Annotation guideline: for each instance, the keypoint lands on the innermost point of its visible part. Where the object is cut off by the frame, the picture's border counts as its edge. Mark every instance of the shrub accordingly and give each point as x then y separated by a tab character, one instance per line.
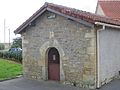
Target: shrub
1	54
17	56
2	46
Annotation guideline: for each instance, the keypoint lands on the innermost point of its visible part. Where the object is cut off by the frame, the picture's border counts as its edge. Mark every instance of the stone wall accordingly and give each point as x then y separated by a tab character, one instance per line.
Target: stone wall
75	42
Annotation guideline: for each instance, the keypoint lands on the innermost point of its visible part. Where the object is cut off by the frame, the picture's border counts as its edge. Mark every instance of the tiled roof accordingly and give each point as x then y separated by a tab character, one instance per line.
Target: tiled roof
111	8
75	13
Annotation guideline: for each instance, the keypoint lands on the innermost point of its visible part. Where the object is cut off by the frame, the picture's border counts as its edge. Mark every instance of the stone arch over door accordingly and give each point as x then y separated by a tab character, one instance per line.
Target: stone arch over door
44	58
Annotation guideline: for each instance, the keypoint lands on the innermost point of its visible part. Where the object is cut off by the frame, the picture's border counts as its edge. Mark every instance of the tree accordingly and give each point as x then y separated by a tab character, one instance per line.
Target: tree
17	43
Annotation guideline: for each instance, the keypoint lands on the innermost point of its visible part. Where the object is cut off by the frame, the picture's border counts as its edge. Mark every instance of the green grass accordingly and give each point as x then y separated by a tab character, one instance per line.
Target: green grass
9	69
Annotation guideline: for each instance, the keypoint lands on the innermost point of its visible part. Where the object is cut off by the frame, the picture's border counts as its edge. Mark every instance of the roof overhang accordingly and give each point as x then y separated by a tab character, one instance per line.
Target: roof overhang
85	18
41	11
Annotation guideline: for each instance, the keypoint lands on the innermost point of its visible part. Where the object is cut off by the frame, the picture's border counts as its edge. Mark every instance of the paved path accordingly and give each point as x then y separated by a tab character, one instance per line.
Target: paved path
24	84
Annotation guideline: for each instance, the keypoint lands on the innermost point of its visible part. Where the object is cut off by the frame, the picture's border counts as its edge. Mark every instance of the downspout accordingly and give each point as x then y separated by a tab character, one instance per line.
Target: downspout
98	56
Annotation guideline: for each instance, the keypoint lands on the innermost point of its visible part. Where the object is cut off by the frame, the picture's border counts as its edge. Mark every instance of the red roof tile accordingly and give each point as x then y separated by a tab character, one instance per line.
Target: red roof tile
78	14
111	8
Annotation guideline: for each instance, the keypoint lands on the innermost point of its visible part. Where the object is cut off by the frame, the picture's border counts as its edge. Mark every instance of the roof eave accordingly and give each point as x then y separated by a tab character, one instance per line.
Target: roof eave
30	20
85	20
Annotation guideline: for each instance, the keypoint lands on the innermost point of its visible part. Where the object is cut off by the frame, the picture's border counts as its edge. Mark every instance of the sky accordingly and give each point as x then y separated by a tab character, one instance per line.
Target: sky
15	12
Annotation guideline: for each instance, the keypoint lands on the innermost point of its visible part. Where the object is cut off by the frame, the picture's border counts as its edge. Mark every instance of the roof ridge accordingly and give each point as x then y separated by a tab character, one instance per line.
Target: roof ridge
111	8
79	11
108	0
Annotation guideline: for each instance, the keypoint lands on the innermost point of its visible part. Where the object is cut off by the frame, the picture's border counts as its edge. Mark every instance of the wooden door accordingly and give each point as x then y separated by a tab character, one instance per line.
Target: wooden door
53	64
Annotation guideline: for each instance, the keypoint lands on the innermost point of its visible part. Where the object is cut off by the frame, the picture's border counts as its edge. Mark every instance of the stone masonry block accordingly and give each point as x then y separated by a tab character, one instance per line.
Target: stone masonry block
89	35
90	50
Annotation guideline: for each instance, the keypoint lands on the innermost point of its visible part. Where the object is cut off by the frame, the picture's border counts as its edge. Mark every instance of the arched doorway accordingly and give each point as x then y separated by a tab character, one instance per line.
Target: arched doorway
53	64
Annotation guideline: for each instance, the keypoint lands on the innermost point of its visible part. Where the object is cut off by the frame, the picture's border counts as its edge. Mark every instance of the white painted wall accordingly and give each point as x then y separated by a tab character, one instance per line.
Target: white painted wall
99	10
109	51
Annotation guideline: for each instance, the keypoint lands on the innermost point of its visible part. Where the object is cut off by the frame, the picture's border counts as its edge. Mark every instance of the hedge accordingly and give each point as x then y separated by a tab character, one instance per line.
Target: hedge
11	55
2	46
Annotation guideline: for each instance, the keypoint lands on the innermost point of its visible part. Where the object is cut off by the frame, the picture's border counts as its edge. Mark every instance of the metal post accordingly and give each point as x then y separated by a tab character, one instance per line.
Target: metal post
9	37
4	31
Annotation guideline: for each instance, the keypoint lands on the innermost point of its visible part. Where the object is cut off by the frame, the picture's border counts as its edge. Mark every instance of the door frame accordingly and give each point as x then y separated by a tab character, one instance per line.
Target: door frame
44	59
60	64
53	63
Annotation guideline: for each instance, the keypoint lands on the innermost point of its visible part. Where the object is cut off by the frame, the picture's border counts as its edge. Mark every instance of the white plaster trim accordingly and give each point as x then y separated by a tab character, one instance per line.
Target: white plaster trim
99	10
51	34
109	25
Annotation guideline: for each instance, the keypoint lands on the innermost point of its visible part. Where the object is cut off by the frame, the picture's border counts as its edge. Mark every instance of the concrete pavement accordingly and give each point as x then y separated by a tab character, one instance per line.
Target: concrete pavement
24	84
113	85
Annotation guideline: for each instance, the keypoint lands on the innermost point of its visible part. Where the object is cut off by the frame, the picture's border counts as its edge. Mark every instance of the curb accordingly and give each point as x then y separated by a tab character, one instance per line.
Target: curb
12	78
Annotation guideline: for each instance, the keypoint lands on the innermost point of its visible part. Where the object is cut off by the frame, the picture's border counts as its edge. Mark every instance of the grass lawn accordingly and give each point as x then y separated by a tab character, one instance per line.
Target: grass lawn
9	69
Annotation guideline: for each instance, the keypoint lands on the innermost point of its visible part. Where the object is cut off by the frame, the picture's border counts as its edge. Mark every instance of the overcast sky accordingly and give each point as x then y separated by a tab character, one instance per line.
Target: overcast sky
15	12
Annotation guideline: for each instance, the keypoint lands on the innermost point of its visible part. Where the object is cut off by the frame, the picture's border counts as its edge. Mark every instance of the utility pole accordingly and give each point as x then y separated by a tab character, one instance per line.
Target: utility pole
9	37
4	31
